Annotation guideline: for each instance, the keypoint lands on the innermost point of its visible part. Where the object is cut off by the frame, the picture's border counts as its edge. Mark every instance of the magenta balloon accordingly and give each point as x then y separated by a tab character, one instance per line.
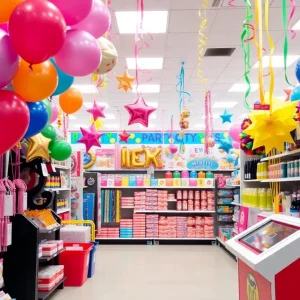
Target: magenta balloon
236	145
235	131
4	26
80	54
9	60
74	11
97	22
14	119
37	30
54	113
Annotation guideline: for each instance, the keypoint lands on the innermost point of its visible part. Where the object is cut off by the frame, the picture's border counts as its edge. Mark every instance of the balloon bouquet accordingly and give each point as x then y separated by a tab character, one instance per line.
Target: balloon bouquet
43	45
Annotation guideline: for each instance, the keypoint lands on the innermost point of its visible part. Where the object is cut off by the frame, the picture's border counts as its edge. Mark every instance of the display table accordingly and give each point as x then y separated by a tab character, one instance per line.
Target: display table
268	259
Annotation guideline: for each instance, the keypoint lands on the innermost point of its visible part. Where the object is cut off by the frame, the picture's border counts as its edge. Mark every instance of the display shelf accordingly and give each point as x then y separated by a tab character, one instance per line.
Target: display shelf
48	258
184	239
156	187
61	167
249	206
57	189
128	207
289	179
220	241
159	170
282	155
47	295
236	203
252	180
123	239
174	211
63	210
43	230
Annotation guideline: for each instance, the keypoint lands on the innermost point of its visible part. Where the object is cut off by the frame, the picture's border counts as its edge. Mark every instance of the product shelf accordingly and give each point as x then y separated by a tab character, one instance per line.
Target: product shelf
48	258
174	211
47	295
57	189
44	230
288	179
283	155
157	187
63	210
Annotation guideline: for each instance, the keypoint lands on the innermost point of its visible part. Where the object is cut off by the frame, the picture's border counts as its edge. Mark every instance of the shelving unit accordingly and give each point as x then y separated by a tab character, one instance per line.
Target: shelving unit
48	258
159	187
174	212
47	295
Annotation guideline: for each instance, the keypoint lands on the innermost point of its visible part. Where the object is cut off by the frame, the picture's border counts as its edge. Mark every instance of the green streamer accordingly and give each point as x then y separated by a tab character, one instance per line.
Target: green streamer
286	43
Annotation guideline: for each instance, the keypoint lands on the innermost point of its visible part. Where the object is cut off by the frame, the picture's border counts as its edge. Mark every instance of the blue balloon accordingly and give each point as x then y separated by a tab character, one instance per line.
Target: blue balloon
64	80
230	159
38	118
297	70
295	94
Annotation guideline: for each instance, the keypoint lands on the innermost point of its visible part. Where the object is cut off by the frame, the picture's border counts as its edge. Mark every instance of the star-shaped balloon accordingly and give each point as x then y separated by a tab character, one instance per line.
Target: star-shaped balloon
96	111
225	116
90	137
225	144
38	147
272	128
298	108
125	81
288	93
124	136
139	112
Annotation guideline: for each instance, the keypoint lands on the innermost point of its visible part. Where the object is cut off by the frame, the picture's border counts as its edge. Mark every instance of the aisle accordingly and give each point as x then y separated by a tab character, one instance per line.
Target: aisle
159	273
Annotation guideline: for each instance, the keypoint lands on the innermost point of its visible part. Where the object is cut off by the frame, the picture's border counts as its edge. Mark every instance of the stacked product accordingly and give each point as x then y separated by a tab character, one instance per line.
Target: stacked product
171	197
127	202
199	227
110	206
162	200
167	227
152	226
207	201
208	227
126	230
151	199
139	225
281	170
102	234
140	200
49	276
191	228
111	233
50	248
181	227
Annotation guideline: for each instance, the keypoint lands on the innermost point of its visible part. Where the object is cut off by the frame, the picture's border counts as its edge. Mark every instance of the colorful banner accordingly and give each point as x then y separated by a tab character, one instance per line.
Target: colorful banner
152	138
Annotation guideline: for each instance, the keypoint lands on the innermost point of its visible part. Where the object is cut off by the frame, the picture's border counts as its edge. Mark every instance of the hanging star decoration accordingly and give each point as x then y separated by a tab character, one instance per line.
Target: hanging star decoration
272	128
96	111
90	137
38	147
139	112
298	111
124	136
125	81
225	144
226	117
288	93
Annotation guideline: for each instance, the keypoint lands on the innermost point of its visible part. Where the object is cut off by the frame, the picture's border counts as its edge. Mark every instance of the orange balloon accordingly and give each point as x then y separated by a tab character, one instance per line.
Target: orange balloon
36	82
6	8
70	101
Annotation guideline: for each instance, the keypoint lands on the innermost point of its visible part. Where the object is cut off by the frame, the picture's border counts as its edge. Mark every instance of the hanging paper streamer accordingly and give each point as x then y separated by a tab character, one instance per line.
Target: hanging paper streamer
180	88
293	9
209	142
202	39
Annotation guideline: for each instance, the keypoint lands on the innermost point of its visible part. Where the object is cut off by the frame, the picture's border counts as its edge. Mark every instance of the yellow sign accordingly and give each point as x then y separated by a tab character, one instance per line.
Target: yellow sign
252	288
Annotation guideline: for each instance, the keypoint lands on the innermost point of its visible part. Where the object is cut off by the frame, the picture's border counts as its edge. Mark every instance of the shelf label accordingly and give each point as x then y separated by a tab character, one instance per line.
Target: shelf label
8	205
44	170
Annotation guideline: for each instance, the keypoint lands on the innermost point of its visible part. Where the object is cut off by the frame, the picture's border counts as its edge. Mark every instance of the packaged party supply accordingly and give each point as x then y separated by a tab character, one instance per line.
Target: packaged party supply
110	180
225	193
76	234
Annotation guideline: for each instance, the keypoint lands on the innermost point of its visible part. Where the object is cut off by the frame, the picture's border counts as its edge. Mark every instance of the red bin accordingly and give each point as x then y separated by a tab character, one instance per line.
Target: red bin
76	261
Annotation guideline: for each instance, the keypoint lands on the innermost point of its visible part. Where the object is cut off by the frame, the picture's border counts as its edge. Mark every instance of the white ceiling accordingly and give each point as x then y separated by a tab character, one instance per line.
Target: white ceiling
180	44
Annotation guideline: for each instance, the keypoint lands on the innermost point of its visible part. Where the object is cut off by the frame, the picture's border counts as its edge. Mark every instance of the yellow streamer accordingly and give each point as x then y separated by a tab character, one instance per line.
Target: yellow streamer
272	47
202	39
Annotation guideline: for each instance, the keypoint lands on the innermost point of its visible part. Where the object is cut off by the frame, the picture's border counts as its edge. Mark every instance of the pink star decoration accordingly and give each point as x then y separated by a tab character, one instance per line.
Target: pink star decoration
90	137
139	112
124	136
96	111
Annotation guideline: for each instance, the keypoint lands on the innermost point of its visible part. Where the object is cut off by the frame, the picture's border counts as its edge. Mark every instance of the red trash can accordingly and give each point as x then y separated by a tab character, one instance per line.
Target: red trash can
76	261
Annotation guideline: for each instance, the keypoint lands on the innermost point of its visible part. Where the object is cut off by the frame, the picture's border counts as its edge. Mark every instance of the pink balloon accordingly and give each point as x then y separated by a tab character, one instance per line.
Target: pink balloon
173	148
236	145
14	119
9	60
37	30
80	54
235	131
74	11
54	113
4	26
97	22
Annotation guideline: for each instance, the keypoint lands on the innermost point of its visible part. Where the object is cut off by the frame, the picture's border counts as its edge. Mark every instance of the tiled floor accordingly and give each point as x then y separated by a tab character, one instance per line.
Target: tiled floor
159	273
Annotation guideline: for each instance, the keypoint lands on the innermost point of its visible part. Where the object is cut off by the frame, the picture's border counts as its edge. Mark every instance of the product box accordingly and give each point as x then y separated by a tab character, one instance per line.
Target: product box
154	182
111	180
169	181
185	181
132	180
176	182
161	182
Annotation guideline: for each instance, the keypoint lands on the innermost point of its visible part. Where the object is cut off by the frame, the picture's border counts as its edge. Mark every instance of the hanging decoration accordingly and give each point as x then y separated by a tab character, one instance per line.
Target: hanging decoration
298	111
98	123
226	117
125	81
38	147
90	137
272	128
225	145
288	94
71	100
60	150
124	136
172	147
89	160
139	112
96	111
209	141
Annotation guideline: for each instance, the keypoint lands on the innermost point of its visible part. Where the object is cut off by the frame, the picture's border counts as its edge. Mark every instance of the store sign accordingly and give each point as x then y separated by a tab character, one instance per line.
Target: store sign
203	164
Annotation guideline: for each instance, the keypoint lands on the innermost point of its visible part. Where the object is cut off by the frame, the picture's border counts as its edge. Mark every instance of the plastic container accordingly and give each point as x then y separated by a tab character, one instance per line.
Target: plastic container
92	262
176	174
168	175
209	174
201	174
185	174
193	174
76	262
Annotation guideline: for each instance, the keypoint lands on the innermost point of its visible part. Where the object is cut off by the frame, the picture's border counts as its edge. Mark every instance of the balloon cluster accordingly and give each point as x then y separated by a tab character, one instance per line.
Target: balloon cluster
131	158
295	94
246	142
43	45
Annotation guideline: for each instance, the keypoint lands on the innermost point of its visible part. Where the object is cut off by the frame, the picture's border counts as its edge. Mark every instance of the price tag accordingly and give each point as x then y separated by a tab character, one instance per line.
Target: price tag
25	201
44	170
8	203
9	234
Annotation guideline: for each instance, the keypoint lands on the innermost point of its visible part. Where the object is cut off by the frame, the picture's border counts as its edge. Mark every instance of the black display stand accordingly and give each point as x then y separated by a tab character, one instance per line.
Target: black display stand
21	262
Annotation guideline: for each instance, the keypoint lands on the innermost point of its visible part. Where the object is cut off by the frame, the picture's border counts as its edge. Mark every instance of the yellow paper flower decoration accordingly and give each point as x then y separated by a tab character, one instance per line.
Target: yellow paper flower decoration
98	123
271	128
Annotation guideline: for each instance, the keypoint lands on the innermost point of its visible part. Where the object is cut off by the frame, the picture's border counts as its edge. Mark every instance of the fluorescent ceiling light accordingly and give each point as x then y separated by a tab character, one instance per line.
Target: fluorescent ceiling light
277	61
224	104
297	26
71	117
86	88
153	104
154	21
242	87
151	63
199	126
111	126
90	104
147	88
110	116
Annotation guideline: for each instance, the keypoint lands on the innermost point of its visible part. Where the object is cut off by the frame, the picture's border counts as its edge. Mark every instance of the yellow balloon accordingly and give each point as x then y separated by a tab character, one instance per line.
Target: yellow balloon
38	147
135	160
152	157
125	158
